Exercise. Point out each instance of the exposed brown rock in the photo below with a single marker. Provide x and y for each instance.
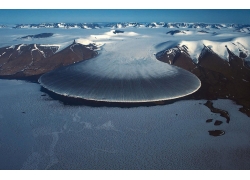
(219, 78)
(217, 123)
(216, 132)
(34, 60)
(209, 120)
(222, 113)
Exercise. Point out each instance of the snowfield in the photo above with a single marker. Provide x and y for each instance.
(216, 39)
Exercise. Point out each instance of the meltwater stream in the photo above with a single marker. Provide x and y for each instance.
(125, 71)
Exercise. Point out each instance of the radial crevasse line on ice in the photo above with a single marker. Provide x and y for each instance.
(151, 84)
(124, 71)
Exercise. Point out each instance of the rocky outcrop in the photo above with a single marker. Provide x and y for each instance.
(42, 35)
(26, 60)
(219, 78)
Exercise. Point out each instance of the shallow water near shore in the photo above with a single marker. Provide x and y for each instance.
(37, 132)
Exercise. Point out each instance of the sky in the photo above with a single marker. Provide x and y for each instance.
(124, 15)
(214, 11)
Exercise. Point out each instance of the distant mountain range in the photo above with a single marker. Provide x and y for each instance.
(238, 27)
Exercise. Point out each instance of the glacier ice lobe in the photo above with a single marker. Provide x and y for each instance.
(110, 80)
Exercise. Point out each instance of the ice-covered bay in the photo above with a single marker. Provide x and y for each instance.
(37, 132)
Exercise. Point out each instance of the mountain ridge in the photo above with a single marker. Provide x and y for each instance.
(193, 25)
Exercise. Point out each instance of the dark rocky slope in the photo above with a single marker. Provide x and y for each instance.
(219, 78)
(33, 60)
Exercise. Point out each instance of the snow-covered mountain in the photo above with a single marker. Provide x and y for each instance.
(2, 26)
(194, 49)
(236, 27)
(59, 25)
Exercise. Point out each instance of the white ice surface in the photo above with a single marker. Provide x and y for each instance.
(152, 36)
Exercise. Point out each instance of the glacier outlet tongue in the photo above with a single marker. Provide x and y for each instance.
(143, 80)
(126, 70)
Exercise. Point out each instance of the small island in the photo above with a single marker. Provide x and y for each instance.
(42, 35)
(117, 31)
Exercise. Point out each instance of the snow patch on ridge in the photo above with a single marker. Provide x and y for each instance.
(84, 41)
(19, 47)
(236, 45)
(111, 34)
(11, 47)
(39, 50)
